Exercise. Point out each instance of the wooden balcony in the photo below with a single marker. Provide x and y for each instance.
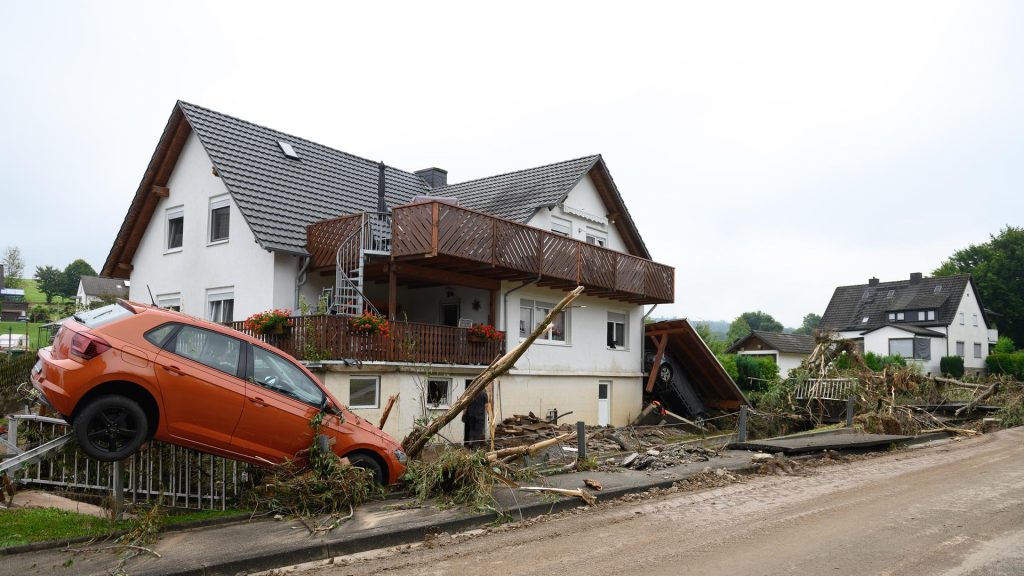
(315, 338)
(446, 237)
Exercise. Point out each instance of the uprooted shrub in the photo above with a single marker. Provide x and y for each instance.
(453, 477)
(322, 483)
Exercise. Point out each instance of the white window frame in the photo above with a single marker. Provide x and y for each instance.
(616, 319)
(376, 394)
(975, 319)
(216, 203)
(931, 315)
(219, 295)
(901, 341)
(172, 214)
(561, 226)
(535, 311)
(426, 394)
(597, 237)
(977, 349)
(169, 301)
(960, 351)
(961, 318)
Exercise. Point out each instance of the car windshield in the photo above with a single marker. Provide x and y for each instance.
(103, 315)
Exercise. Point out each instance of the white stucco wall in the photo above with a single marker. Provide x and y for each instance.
(583, 198)
(198, 265)
(967, 332)
(878, 342)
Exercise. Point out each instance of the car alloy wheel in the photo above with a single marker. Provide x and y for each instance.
(111, 428)
(665, 373)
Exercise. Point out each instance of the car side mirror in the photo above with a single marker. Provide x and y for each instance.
(328, 407)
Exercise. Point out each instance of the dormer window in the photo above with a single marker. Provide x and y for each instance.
(890, 294)
(937, 289)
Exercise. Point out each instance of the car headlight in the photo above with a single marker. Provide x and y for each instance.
(400, 456)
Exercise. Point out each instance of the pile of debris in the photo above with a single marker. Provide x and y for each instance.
(658, 459)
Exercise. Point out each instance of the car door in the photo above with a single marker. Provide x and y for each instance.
(280, 401)
(201, 375)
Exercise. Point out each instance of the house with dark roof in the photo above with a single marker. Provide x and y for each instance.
(93, 290)
(787, 350)
(232, 218)
(921, 319)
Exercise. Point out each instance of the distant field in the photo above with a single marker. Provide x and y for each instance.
(34, 296)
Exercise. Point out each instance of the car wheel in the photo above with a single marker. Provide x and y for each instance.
(369, 463)
(111, 428)
(665, 372)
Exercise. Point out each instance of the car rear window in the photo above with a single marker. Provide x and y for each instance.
(103, 315)
(158, 336)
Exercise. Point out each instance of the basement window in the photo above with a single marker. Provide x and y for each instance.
(288, 150)
(364, 392)
(439, 393)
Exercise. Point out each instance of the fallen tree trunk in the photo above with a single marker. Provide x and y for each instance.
(587, 497)
(970, 406)
(525, 450)
(387, 410)
(417, 439)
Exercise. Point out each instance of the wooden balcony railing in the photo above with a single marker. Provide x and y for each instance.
(315, 338)
(435, 228)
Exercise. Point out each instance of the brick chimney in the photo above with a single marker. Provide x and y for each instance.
(915, 277)
(434, 177)
(872, 281)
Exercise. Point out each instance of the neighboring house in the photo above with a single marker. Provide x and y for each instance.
(96, 289)
(921, 319)
(787, 350)
(232, 218)
(13, 305)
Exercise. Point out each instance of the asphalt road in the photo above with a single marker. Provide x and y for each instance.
(954, 509)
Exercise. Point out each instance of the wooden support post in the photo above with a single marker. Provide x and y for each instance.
(851, 404)
(741, 430)
(581, 441)
(657, 363)
(392, 291)
(492, 314)
(117, 490)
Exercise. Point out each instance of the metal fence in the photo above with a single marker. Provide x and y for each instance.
(826, 389)
(177, 477)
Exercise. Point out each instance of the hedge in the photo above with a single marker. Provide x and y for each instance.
(952, 366)
(1012, 364)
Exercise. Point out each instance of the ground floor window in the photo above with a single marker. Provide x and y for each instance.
(960, 349)
(916, 348)
(616, 330)
(169, 301)
(977, 349)
(364, 392)
(439, 392)
(220, 305)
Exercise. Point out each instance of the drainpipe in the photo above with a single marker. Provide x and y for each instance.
(504, 304)
(649, 312)
(300, 279)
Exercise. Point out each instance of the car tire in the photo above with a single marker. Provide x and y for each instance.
(369, 463)
(111, 428)
(665, 373)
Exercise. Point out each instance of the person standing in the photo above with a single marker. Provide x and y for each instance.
(475, 419)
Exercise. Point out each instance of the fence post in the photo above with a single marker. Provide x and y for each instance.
(851, 403)
(117, 489)
(741, 432)
(581, 441)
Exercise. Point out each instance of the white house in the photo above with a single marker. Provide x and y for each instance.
(788, 351)
(95, 289)
(921, 319)
(233, 218)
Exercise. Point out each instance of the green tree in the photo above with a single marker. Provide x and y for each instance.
(14, 267)
(1004, 345)
(50, 281)
(750, 321)
(717, 345)
(73, 273)
(998, 270)
(809, 325)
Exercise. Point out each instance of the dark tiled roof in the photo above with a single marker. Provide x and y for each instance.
(517, 195)
(785, 343)
(851, 304)
(279, 196)
(97, 286)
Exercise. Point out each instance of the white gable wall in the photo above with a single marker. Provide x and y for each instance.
(584, 208)
(199, 266)
(967, 332)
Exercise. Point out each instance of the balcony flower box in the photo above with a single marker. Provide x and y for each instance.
(369, 324)
(482, 333)
(269, 322)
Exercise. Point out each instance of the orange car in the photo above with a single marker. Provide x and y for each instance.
(128, 372)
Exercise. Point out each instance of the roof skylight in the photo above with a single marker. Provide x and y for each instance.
(287, 149)
(937, 289)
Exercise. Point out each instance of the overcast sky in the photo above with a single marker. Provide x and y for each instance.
(769, 151)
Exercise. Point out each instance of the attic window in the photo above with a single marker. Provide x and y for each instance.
(287, 149)
(865, 320)
(937, 289)
(890, 294)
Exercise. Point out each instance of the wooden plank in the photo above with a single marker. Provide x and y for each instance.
(161, 191)
(657, 363)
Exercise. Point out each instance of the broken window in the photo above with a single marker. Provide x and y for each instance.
(439, 392)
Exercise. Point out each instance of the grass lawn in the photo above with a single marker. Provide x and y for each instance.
(33, 296)
(27, 525)
(19, 328)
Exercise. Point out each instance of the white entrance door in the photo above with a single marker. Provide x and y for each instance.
(604, 402)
